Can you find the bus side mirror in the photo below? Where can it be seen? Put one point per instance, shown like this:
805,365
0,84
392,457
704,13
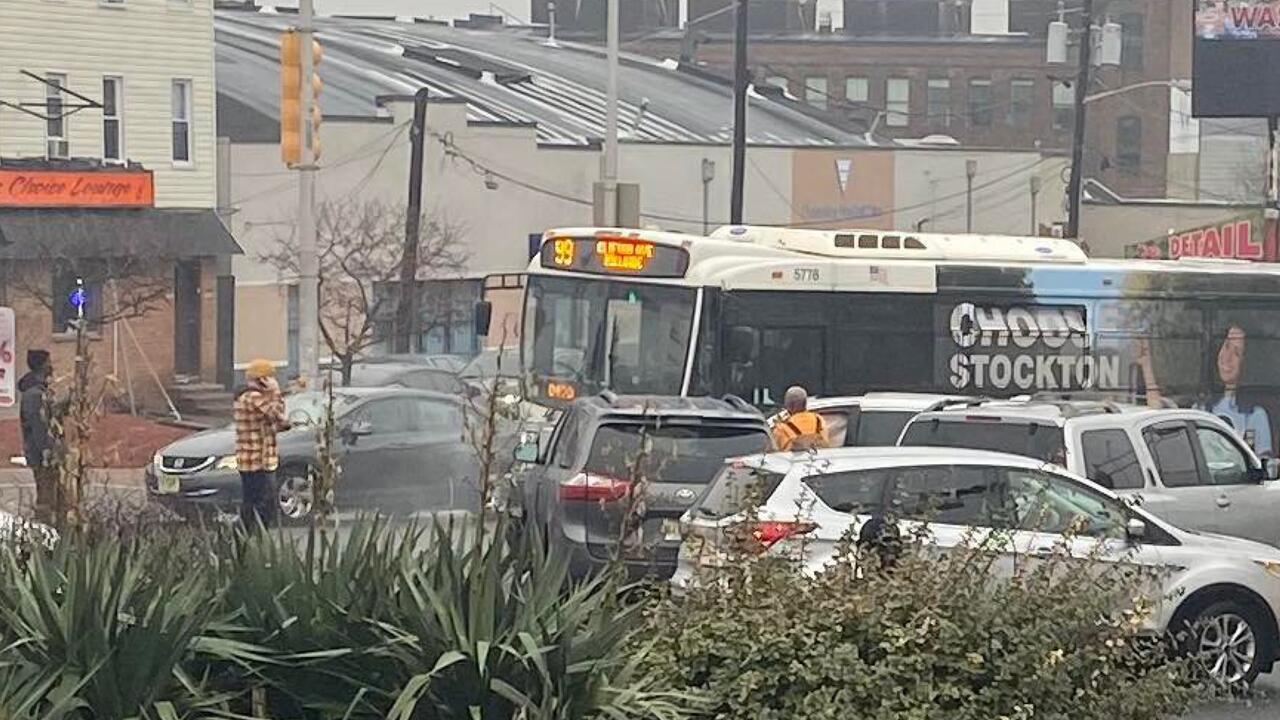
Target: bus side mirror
741,344
483,317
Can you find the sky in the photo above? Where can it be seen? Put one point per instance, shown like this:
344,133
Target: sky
440,9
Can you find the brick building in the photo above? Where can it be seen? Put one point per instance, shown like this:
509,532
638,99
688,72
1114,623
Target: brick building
108,178
912,68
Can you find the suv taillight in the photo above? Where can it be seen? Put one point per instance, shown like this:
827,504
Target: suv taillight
760,535
586,487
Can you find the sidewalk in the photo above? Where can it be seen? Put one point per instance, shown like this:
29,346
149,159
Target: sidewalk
124,479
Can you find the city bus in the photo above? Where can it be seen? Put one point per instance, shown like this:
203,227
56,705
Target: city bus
750,311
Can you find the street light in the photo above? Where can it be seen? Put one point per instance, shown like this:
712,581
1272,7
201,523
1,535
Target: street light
708,174
970,171
1035,194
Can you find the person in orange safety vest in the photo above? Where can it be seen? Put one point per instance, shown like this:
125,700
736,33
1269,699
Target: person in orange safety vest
796,427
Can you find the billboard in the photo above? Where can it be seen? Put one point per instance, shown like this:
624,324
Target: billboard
1235,50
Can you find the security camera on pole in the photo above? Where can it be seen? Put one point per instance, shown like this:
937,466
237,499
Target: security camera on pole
300,149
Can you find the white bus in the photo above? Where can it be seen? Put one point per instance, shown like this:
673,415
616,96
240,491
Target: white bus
752,310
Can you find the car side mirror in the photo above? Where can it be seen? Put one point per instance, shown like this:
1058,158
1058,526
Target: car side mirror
358,430
527,450
300,418
1135,529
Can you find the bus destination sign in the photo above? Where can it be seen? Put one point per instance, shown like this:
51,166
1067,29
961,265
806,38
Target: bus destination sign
612,255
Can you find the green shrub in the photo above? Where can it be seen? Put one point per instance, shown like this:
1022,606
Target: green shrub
411,623
98,629
933,636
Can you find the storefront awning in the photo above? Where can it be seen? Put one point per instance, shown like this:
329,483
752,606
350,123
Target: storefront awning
40,233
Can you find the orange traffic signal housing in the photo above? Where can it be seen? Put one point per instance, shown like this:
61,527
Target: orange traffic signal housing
291,89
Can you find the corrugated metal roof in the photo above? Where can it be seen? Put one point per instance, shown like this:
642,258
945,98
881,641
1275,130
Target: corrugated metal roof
504,76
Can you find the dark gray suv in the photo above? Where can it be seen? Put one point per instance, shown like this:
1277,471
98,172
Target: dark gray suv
642,459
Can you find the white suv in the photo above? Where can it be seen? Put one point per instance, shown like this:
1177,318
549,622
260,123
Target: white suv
1227,589
1185,466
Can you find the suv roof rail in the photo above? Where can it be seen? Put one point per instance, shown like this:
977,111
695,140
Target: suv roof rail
738,403
956,402
1102,399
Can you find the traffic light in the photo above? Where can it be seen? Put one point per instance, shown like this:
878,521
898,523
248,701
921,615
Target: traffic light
291,89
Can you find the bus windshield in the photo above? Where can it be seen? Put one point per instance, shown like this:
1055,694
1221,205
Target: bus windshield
585,335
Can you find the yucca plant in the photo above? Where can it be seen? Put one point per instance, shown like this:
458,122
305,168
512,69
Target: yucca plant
98,629
411,622
505,635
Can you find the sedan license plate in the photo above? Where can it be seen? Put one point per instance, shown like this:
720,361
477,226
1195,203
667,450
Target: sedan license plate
671,530
168,485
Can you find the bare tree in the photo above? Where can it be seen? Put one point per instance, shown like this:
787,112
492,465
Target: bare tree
361,246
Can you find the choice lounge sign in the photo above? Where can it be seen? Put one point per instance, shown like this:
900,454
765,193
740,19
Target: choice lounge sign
75,188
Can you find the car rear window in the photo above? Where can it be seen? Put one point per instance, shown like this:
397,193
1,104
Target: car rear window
687,454
734,489
881,428
1034,440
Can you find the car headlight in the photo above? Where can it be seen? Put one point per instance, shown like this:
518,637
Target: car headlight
1271,566
158,461
227,462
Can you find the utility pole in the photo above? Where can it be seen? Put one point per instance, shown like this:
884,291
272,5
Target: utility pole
740,82
308,259
407,307
1078,136
611,120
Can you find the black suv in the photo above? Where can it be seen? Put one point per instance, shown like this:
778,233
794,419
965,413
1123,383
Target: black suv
641,458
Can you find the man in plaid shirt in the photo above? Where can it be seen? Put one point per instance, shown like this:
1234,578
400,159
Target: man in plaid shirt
259,415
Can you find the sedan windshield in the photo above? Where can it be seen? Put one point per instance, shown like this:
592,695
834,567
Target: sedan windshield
312,405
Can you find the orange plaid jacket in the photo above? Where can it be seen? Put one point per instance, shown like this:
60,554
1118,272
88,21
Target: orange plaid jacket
259,415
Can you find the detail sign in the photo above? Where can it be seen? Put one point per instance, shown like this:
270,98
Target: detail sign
34,188
1241,238
8,358
613,255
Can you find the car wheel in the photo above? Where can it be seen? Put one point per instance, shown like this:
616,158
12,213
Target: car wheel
296,494
1228,638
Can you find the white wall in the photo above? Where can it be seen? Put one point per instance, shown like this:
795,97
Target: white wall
932,184
147,42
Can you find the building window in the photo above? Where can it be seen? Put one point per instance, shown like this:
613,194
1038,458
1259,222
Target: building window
112,113
940,101
898,102
1022,95
182,121
64,285
815,91
856,90
1064,106
1129,144
1131,42
55,126
980,108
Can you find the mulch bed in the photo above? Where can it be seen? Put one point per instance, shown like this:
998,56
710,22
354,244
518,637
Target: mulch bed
119,441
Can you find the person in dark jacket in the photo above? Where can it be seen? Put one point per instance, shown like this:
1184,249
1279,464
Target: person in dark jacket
37,442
